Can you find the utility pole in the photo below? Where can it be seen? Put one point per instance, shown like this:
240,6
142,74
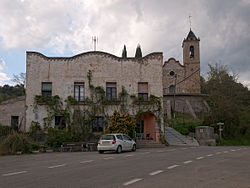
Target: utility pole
174,92
94,41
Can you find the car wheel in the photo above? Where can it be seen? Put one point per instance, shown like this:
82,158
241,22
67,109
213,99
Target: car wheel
101,152
119,149
134,148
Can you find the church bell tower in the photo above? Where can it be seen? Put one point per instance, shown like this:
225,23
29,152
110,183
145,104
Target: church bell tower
191,60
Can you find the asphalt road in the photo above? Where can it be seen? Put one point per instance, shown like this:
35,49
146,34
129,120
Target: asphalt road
171,167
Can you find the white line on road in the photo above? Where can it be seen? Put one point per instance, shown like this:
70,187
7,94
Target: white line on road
14,173
232,150
225,151
186,162
171,150
132,181
89,161
173,166
108,158
129,155
156,172
160,151
56,166
198,158
147,152
209,155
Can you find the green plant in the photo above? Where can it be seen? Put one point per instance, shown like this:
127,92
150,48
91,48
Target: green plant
56,137
15,142
5,130
122,124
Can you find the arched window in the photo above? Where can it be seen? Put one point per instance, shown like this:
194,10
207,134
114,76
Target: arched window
171,89
191,51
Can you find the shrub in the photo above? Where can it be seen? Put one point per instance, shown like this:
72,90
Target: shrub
15,142
122,124
56,137
5,130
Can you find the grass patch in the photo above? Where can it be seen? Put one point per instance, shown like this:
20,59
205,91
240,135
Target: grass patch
233,142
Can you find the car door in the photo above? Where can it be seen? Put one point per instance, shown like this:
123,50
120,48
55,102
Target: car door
128,142
121,141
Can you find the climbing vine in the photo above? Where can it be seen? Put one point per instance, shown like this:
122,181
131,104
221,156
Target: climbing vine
80,115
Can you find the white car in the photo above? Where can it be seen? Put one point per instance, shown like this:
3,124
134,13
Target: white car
116,142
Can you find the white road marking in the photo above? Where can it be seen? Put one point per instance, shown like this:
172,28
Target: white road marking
186,162
218,153
173,166
156,172
160,151
225,151
198,158
132,181
89,161
14,173
232,150
56,166
171,150
209,155
108,158
129,155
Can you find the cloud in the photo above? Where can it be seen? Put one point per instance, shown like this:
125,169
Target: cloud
223,27
3,76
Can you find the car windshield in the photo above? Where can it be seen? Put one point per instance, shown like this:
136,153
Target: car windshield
107,137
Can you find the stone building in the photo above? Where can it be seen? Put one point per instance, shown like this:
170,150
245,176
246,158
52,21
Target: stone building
13,112
181,82
64,77
153,88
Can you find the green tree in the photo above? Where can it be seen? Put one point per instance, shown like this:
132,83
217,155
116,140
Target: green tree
229,101
124,52
122,124
138,53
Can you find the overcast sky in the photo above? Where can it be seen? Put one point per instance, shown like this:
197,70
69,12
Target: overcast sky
65,28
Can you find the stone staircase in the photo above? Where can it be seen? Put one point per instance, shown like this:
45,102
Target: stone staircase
148,144
175,138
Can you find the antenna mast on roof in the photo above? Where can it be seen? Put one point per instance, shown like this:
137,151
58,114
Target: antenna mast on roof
190,23
94,41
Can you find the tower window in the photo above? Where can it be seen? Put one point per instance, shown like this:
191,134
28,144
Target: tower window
191,51
172,89
171,73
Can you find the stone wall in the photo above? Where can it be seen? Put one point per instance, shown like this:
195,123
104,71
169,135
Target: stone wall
185,103
13,107
63,72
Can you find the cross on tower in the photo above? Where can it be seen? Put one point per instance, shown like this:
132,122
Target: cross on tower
189,17
95,41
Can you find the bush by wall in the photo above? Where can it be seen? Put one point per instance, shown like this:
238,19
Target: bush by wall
15,142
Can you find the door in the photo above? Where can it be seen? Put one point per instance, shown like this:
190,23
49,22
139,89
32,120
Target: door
139,129
14,122
127,142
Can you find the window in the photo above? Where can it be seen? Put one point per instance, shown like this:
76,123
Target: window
191,51
46,89
143,90
119,137
97,125
172,89
60,122
171,73
111,90
79,91
125,137
14,122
